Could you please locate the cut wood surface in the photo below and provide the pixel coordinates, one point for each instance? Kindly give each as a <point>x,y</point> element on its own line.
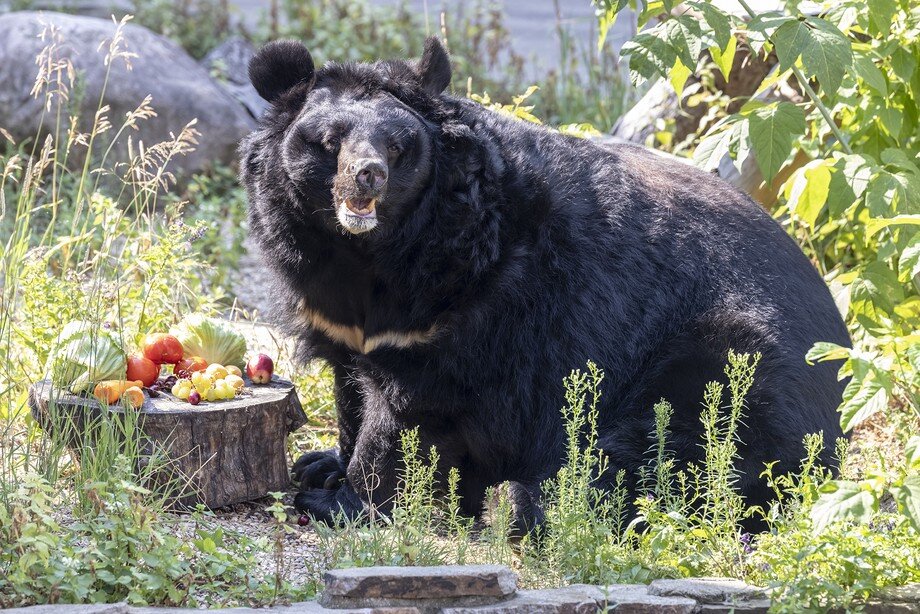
<point>227,451</point>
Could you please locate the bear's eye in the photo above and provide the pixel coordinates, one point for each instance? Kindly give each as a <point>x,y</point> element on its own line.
<point>394,148</point>
<point>331,143</point>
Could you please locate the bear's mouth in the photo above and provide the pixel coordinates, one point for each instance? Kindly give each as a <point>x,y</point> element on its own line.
<point>362,207</point>
<point>357,215</point>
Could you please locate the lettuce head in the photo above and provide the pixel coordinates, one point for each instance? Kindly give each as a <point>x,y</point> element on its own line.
<point>83,354</point>
<point>214,340</point>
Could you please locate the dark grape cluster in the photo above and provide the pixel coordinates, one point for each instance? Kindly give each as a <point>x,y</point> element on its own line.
<point>164,383</point>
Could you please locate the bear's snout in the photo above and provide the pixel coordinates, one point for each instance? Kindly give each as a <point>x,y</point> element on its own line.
<point>370,175</point>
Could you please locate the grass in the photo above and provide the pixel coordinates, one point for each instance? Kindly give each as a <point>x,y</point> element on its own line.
<point>89,523</point>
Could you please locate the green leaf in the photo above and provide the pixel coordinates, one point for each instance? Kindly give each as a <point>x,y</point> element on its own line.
<point>810,190</point>
<point>717,21</point>
<point>891,119</point>
<point>842,500</point>
<point>684,35</point>
<point>870,73</point>
<point>773,129</point>
<point>866,394</point>
<point>827,55</point>
<point>678,76</point>
<point>858,170</point>
<point>912,452</point>
<point>880,14</point>
<point>874,225</point>
<point>648,55</point>
<point>725,59</point>
<point>909,260</point>
<point>606,12</point>
<point>790,40</point>
<point>762,27</point>
<point>712,149</point>
<point>903,63</point>
<point>824,350</point>
<point>907,495</point>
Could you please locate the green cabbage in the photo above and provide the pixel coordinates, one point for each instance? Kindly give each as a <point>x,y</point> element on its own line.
<point>214,340</point>
<point>84,354</point>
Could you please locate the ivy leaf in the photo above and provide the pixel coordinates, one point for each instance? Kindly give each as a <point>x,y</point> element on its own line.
<point>809,191</point>
<point>773,129</point>
<point>842,500</point>
<point>907,496</point>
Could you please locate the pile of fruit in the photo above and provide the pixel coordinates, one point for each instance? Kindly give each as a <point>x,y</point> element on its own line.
<point>197,361</point>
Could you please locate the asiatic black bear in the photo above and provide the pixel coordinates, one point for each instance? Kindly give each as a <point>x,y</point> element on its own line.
<point>453,264</point>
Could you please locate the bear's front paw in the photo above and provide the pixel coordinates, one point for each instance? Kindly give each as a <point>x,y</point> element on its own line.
<point>319,469</point>
<point>329,506</point>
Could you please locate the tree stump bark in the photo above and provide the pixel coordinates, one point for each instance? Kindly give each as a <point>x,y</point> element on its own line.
<point>223,452</point>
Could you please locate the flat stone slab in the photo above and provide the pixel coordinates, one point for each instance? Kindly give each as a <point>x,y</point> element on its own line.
<point>708,590</point>
<point>439,582</point>
<point>575,599</point>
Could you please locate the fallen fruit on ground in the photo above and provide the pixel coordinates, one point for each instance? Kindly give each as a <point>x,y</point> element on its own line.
<point>143,369</point>
<point>260,368</point>
<point>162,348</point>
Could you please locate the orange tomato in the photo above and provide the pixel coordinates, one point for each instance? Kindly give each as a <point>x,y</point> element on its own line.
<point>188,365</point>
<point>143,369</point>
<point>110,390</point>
<point>162,349</point>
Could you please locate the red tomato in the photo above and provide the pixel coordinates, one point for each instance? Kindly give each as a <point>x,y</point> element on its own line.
<point>189,364</point>
<point>143,369</point>
<point>162,349</point>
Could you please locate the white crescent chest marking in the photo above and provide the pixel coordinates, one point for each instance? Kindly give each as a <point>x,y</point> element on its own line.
<point>354,337</point>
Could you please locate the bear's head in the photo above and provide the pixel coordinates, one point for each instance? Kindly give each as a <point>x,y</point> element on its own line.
<point>356,142</point>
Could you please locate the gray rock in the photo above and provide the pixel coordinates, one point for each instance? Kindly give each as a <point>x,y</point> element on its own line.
<point>181,89</point>
<point>708,590</point>
<point>885,607</point>
<point>446,581</point>
<point>759,606</point>
<point>103,9</point>
<point>228,64</point>
<point>65,608</point>
<point>635,599</point>
<point>909,593</point>
<point>576,599</point>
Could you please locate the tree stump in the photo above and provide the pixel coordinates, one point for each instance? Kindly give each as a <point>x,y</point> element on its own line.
<point>226,451</point>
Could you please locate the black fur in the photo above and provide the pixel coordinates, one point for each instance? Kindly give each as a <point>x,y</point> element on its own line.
<point>527,253</point>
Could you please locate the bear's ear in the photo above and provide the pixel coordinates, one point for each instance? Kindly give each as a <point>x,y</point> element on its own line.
<point>434,67</point>
<point>279,67</point>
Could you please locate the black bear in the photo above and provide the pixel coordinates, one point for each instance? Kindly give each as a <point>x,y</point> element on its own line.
<point>454,264</point>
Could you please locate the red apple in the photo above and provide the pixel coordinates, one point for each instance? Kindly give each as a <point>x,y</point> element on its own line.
<point>260,368</point>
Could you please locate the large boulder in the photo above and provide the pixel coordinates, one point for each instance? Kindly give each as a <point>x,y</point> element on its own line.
<point>181,89</point>
<point>228,63</point>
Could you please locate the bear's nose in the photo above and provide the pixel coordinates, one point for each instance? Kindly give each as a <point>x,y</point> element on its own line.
<point>370,174</point>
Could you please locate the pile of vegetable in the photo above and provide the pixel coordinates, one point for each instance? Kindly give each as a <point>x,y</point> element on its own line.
<point>198,360</point>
